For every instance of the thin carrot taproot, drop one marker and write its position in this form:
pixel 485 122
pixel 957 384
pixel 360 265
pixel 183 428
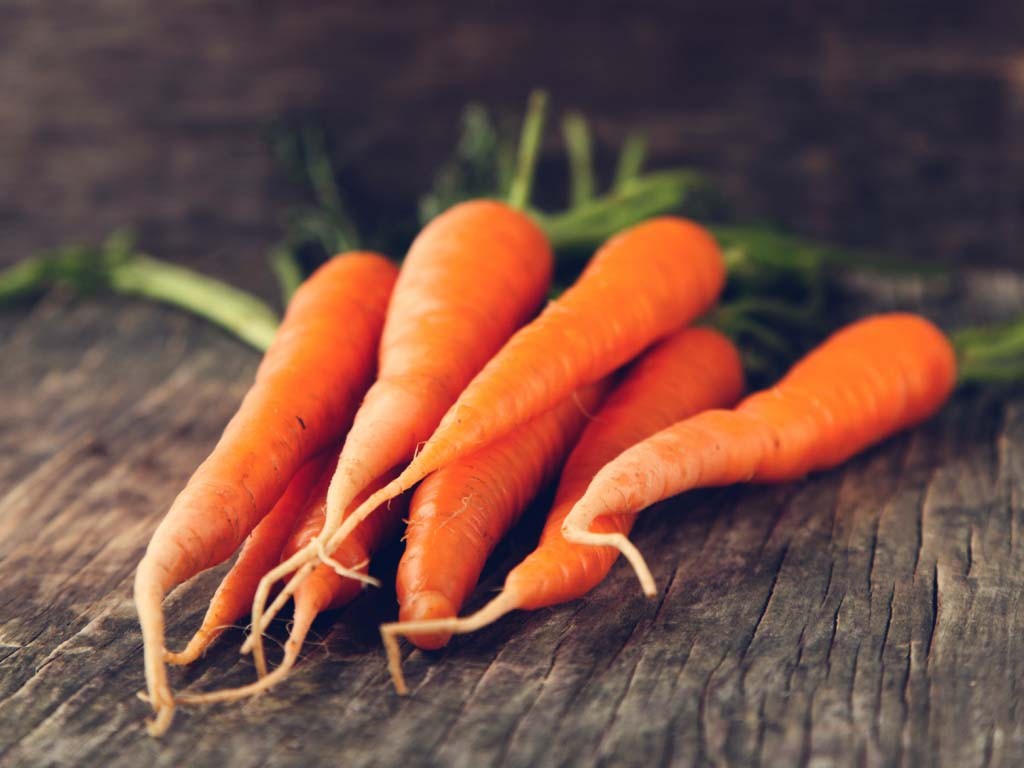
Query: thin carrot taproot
pixel 640 286
pixel 690 371
pixel 472 276
pixel 460 513
pixel 328 585
pixel 866 382
pixel 307 388
pixel 260 552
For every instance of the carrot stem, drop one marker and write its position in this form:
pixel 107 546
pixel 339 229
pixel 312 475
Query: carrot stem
pixel 236 311
pixel 25 278
pixel 578 145
pixel 631 160
pixel 594 222
pixel 990 354
pixel 320 172
pixel 287 270
pixel 753 246
pixel 114 266
pixel 529 148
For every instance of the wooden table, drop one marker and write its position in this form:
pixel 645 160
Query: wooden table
pixel 866 616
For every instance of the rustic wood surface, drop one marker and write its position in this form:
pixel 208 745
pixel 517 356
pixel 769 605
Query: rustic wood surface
pixel 869 615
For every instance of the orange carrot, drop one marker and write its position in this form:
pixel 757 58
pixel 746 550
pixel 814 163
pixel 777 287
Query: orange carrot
pixel 690 371
pixel 640 286
pixel 328 585
pixel 306 390
pixel 260 552
pixel 866 382
pixel 460 513
pixel 472 276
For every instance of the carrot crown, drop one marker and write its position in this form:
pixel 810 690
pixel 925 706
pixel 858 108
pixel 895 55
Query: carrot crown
pixel 529 148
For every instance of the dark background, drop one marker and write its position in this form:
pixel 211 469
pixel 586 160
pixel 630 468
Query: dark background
pixel 898 126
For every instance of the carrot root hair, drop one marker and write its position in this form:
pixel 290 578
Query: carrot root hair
pixel 620 542
pixel 504 603
pixel 265 683
pixel 196 647
pixel 303 561
pixel 262 614
pixel 341 570
pixel 261 618
pixel 297 636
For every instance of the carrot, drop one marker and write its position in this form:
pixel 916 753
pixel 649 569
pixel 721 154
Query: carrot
pixel 460 513
pixel 328 585
pixel 260 552
pixel 306 390
pixel 640 286
pixel 473 275
pixel 690 371
pixel 866 382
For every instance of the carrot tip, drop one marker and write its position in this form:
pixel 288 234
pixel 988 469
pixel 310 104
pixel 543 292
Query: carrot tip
pixel 394 654
pixel 504 602
pixel 196 647
pixel 163 715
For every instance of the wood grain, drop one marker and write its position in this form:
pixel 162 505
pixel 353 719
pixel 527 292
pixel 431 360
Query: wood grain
pixel 868 615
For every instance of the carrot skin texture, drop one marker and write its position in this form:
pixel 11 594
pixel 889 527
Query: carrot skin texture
pixel 460 513
pixel 687 373
pixel 472 276
pixel 868 381
pixel 640 286
pixel 260 552
pixel 299 405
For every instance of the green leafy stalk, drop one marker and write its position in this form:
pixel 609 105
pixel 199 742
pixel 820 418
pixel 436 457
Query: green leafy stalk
pixel 324 228
pixel 529 149
pixel 590 224
pixel 578 145
pixel 482 166
pixel 991 354
pixel 775 248
pixel 287 270
pixel 771 333
pixel 234 310
pixel 115 267
pixel 631 160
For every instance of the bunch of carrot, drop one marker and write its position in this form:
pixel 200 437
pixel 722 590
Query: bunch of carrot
pixel 438 394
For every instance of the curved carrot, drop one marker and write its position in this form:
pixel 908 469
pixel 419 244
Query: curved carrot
pixel 472 276
pixel 328 585
pixel 260 552
pixel 866 382
pixel 460 513
pixel 306 390
pixel 640 286
pixel 692 370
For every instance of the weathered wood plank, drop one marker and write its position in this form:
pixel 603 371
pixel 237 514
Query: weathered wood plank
pixel 867 615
